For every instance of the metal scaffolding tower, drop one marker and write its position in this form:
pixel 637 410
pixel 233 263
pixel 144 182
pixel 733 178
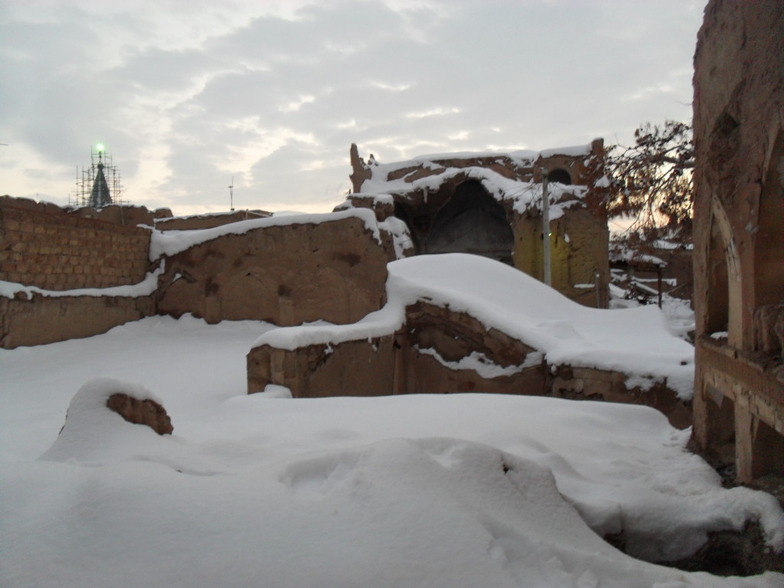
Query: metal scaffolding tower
pixel 98 185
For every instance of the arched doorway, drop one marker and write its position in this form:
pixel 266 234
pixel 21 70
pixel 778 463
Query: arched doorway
pixel 560 176
pixel 471 221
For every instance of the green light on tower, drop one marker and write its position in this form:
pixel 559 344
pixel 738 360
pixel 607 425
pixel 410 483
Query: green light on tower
pixel 99 147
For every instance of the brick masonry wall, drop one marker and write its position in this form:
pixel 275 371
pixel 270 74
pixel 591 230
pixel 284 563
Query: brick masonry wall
pixel 65 252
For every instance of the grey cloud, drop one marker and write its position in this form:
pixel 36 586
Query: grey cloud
pixel 269 98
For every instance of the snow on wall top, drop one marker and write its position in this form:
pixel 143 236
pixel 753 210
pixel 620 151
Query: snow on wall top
pixel 144 288
pixel 172 242
pixel 573 151
pixel 633 341
pixel 522 194
pixel 522 157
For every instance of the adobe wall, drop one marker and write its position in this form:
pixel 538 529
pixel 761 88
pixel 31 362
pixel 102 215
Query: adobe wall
pixel 739 235
pixel 582 169
pixel 122 214
pixel 424 356
pixel 399 363
pixel 579 250
pixel 43 246
pixel 580 383
pixel 580 237
pixel 353 368
pixel 43 319
pixel 206 221
pixel 284 274
pixel 434 336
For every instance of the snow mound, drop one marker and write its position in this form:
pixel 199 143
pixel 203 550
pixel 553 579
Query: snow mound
pixel 275 391
pixel 501 513
pixel 455 490
pixel 93 432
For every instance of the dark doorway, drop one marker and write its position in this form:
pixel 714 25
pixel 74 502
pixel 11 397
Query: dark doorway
pixel 471 222
pixel 560 176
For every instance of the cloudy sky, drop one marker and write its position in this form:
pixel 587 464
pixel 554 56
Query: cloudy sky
pixel 187 94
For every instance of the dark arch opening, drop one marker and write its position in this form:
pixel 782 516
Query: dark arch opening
pixel 560 176
pixel 472 221
pixel 404 213
pixel 717 301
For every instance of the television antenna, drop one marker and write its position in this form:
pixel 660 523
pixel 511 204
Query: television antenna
pixel 231 194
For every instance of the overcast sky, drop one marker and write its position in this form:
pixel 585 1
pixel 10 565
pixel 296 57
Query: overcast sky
pixel 187 94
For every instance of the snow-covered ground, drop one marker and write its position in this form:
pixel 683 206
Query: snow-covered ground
pixel 262 490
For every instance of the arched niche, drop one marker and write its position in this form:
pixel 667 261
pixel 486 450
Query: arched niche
pixel 717 300
pixel 724 298
pixel 471 221
pixel 560 176
pixel 769 236
pixel 403 213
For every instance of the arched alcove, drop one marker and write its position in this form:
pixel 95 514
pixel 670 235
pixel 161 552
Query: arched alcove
pixel 724 296
pixel 403 213
pixel 769 237
pixel 717 296
pixel 560 176
pixel 472 221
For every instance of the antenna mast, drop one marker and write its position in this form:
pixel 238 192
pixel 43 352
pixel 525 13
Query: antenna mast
pixel 231 194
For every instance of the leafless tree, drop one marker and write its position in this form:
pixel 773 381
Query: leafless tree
pixel 652 180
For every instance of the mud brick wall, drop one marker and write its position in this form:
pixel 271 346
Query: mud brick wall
pixel 207 221
pixel 283 274
pixel 45 319
pixel 58 251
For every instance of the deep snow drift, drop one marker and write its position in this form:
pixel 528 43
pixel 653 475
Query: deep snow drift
pixel 460 490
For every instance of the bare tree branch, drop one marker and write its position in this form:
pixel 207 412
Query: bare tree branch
pixel 652 180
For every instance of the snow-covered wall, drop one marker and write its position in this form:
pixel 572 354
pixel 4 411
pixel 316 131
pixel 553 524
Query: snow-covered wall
pixel 286 270
pixel 459 323
pixel 45 246
pixel 68 277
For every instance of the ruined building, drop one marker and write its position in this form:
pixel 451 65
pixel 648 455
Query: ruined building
pixel 68 273
pixel 739 236
pixel 490 204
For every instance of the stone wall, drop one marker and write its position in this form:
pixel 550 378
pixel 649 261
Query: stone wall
pixel 43 246
pixel 284 274
pixel 739 235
